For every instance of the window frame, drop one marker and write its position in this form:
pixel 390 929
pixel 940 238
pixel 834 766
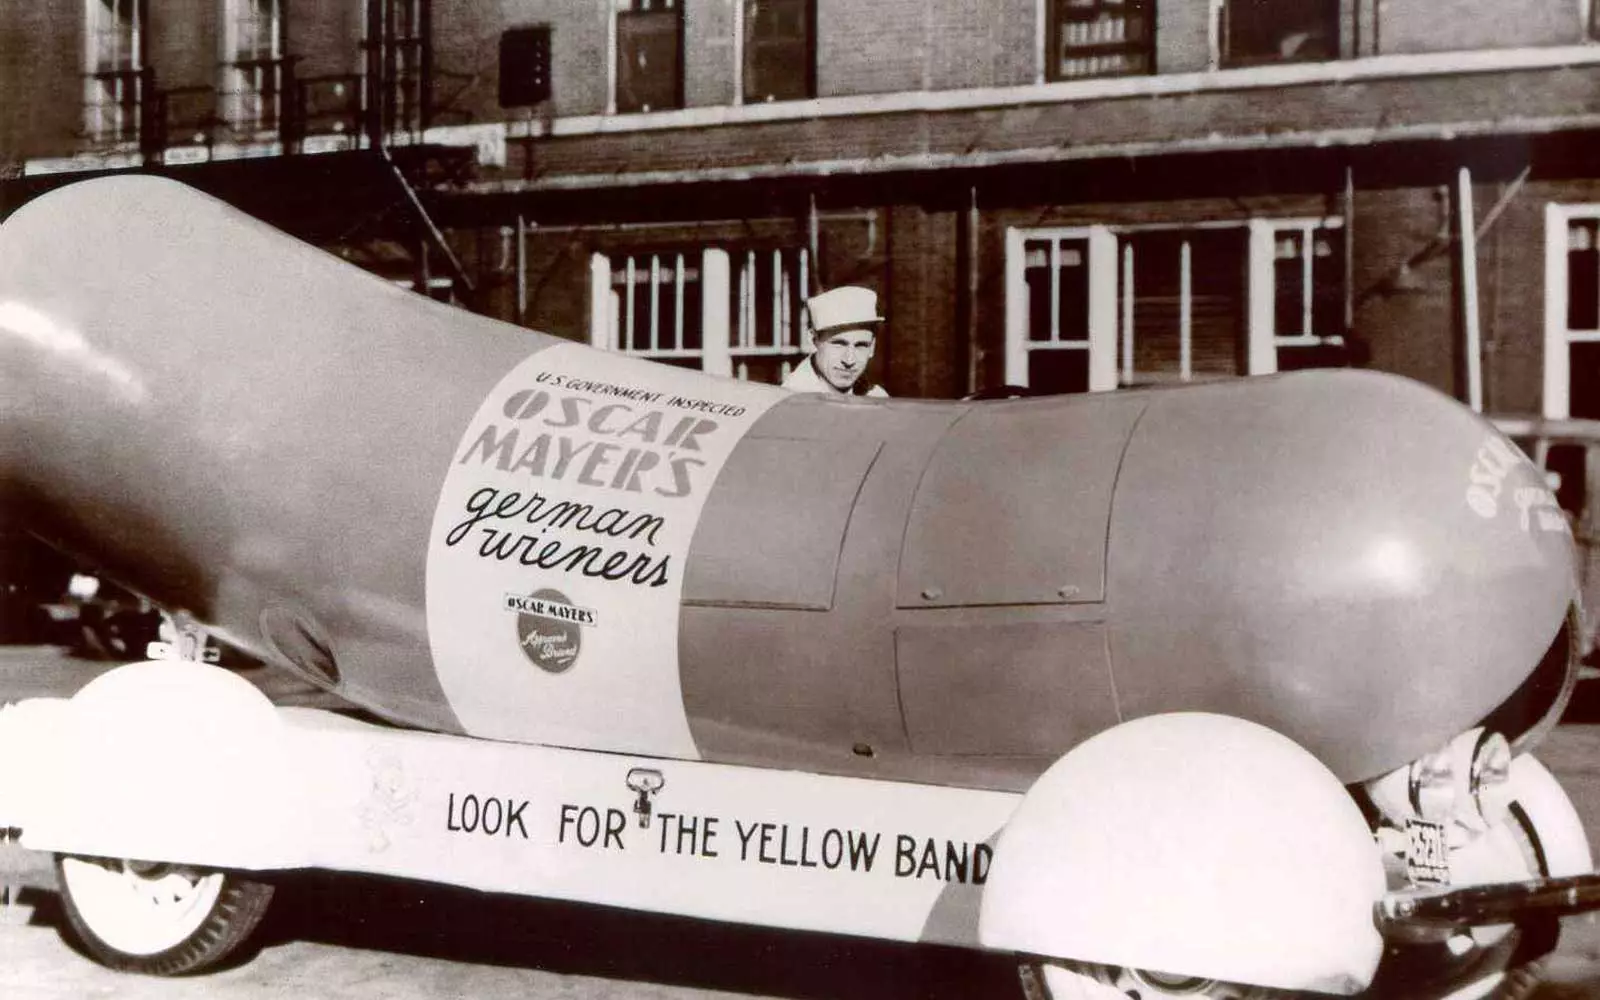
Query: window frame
pixel 1110 334
pixel 247 105
pixel 741 43
pixel 1049 18
pixel 1559 338
pixel 1102 334
pixel 1264 335
pixel 127 71
pixel 1222 33
pixel 614 56
pixel 729 344
pixel 404 105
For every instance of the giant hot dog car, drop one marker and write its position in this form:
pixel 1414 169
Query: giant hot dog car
pixel 1226 690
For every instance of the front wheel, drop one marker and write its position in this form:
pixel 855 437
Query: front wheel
pixel 156 918
pixel 1059 980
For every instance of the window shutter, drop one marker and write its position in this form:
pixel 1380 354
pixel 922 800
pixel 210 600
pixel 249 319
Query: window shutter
pixel 525 66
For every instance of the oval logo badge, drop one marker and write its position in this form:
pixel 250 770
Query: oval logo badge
pixel 549 628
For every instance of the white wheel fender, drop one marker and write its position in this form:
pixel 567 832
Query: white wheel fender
pixel 1191 844
pixel 1561 838
pixel 28 730
pixel 167 760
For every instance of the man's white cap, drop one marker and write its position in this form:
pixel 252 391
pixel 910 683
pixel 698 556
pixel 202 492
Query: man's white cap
pixel 844 308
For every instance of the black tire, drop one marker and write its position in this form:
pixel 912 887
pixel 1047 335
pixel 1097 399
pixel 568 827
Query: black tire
pixel 158 919
pixel 1099 981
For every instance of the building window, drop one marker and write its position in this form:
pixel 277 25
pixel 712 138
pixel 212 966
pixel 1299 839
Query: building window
pixel 655 307
pixel 115 77
pixel 1308 283
pixel 253 78
pixel 779 64
pixel 767 294
pixel 1091 308
pixel 1061 309
pixel 525 66
pixel 649 55
pixel 1182 309
pixel 1254 32
pixel 725 312
pixel 1572 311
pixel 1098 38
pixel 396 70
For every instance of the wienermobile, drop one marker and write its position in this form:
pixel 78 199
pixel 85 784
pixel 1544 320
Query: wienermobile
pixel 1218 691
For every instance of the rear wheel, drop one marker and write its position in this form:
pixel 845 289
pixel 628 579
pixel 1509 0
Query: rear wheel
pixel 160 919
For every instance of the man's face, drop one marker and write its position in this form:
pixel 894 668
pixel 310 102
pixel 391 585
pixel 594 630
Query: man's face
pixel 842 357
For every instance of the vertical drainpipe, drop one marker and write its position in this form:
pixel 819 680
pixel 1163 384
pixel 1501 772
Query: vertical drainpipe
pixel 1467 226
pixel 1349 252
pixel 520 258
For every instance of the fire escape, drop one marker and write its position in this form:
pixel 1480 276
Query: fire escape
pixel 340 160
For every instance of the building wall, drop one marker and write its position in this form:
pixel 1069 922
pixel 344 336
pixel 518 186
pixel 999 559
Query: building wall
pixel 862 47
pixel 1183 37
pixel 909 45
pixel 871 48
pixel 909 245
pixel 1511 263
pixel 326 38
pixel 41 58
pixel 1407 319
pixel 920 346
pixel 183 42
pixel 467 40
pixel 708 52
pixel 1448 25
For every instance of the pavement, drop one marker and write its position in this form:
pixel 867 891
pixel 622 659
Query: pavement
pixel 337 937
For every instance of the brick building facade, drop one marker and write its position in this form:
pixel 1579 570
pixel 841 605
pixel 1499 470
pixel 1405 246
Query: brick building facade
pixel 1069 194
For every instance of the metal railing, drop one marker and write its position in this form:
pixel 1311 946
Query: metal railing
pixel 125 110
pixel 117 107
pixel 325 106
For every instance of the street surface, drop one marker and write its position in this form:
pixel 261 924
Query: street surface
pixel 333 937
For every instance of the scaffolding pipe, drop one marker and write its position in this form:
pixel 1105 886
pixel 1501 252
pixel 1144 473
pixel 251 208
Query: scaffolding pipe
pixel 1349 250
pixel 969 314
pixel 813 241
pixel 521 259
pixel 1467 227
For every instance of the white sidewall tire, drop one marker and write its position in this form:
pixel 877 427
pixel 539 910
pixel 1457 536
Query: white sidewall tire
pixel 159 919
pixel 1562 842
